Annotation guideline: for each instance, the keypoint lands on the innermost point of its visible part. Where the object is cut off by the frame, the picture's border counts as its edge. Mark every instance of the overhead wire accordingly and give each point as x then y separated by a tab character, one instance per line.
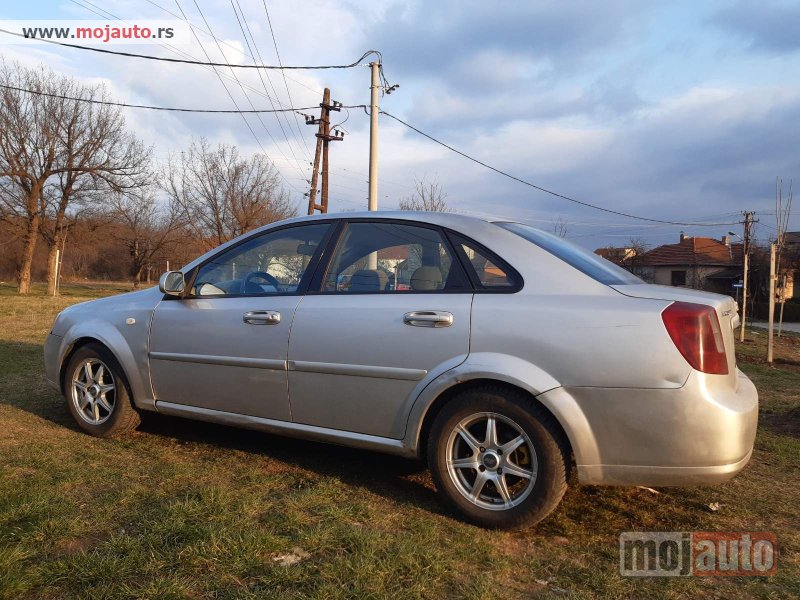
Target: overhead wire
260	76
237	49
283	72
230	95
208	63
150	107
543	189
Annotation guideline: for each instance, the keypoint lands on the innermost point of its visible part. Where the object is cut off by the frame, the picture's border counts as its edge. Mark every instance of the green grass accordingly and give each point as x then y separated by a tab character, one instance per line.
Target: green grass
192	510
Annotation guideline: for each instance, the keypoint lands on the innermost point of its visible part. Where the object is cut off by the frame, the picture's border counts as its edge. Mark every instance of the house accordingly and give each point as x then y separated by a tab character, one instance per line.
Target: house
619	256
695	262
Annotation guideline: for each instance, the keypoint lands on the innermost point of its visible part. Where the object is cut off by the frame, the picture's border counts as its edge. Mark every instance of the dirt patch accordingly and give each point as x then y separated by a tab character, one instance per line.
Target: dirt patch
787	423
79	545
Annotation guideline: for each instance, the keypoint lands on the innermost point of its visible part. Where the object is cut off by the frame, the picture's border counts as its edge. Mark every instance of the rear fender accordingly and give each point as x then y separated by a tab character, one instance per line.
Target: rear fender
516	372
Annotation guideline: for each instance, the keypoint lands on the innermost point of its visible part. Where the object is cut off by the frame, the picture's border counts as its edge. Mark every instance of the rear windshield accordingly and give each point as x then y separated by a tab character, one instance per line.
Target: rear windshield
587	262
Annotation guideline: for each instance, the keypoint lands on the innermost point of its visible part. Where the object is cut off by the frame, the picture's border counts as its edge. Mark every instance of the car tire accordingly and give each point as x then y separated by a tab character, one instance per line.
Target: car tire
505	497
98	396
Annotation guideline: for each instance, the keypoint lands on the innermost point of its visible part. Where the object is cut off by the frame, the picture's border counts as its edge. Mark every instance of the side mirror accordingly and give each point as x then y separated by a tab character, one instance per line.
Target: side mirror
172	283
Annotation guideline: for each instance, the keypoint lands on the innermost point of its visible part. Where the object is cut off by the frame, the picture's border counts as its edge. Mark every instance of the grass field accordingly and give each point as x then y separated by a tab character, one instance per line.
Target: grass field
190	510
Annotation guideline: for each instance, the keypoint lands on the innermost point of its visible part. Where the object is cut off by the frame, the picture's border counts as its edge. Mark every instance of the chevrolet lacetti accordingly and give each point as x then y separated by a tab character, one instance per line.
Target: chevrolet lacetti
503	355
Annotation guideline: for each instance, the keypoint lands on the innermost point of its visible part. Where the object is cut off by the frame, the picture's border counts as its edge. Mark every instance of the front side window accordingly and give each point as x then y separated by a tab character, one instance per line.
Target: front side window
271	263
389	257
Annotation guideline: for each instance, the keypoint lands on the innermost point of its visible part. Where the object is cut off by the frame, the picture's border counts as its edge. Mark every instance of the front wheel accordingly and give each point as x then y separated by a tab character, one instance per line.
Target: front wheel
97	393
498	458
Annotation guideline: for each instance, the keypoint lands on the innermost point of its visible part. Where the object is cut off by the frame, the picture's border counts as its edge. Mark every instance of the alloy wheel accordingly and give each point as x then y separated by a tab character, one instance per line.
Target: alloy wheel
93	391
491	461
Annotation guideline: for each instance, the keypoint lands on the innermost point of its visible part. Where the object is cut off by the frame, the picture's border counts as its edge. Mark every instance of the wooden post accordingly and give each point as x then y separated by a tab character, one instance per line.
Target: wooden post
771	301
57	272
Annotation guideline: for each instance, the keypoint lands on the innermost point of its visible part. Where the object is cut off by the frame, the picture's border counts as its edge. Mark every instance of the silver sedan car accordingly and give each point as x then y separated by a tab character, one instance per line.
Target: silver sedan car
504	356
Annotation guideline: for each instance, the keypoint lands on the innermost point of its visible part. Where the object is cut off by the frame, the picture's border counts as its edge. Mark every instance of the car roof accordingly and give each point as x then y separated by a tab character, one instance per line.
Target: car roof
436	218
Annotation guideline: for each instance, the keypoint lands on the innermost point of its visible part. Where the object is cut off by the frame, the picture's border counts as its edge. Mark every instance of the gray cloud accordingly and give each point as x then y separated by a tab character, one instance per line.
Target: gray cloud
768	26
446	39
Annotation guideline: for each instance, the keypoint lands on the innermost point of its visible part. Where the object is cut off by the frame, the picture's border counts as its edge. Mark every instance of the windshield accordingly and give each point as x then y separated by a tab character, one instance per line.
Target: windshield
591	264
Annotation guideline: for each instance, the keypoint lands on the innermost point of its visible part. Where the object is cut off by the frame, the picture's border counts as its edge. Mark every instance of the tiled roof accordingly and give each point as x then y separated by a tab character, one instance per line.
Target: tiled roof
693	251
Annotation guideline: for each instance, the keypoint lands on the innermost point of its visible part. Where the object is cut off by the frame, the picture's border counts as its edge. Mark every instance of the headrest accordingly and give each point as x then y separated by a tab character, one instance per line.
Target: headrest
426	278
368	280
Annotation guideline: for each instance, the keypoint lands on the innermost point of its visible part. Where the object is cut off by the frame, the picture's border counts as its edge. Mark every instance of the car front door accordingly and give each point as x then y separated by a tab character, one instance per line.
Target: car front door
223	346
392	310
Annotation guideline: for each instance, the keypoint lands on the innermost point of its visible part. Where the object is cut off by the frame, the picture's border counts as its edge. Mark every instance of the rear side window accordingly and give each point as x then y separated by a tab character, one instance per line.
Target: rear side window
587	262
488	271
392	258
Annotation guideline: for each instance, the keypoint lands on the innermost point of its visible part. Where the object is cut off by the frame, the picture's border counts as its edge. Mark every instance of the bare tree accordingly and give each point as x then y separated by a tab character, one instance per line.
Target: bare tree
57	147
560	226
97	156
148	227
224	195
28	151
428	196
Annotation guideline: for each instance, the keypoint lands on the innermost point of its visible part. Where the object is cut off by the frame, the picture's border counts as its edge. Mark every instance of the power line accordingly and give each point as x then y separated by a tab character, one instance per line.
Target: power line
175	50
238	82
194	62
163	108
229	45
242	24
545	190
283	73
230	95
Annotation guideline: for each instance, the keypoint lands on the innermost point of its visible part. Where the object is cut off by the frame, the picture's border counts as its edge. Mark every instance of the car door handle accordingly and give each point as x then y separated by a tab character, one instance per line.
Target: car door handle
428	318
262	317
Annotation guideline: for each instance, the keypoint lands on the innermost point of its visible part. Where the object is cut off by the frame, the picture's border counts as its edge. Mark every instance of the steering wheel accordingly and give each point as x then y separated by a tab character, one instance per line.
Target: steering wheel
246	285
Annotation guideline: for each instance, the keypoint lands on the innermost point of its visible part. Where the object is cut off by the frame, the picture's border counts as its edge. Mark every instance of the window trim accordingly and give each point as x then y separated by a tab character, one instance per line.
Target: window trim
320	276
305	280
456	238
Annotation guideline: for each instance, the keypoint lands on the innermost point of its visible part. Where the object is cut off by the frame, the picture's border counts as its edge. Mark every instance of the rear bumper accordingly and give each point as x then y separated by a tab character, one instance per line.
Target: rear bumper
659	476
699	434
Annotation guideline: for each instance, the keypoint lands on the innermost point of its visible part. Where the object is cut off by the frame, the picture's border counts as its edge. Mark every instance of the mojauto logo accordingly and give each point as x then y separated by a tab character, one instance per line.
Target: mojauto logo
699	554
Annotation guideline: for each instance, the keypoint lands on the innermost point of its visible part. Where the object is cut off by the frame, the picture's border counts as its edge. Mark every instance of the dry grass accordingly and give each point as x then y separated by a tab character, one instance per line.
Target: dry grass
190	510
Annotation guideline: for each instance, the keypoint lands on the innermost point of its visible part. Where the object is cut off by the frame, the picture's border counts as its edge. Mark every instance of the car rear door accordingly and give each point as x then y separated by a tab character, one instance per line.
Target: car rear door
391	311
223	347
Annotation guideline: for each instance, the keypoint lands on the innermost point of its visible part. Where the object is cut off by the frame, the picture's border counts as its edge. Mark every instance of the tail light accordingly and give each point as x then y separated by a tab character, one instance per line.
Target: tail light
695	330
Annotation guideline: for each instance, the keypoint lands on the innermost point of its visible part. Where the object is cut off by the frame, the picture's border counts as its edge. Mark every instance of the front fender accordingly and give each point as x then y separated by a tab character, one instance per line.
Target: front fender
516	372
130	350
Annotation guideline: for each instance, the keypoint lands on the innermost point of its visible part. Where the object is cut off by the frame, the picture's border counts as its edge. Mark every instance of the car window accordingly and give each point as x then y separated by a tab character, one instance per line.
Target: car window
490	274
587	262
271	263
389	257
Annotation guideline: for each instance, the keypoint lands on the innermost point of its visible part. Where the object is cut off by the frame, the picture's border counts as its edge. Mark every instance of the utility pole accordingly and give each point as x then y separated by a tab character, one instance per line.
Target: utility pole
772	277
323	138
748	225
373	136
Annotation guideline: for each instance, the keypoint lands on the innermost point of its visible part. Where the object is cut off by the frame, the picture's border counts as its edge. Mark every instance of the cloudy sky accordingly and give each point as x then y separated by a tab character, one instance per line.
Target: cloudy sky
680	111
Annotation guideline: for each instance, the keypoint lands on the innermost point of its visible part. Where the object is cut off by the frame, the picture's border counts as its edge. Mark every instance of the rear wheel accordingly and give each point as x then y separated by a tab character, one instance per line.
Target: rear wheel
498	458
97	393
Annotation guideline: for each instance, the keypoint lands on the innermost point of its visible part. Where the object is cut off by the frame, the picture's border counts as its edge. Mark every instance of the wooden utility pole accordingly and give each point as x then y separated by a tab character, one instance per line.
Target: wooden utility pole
323	138
748	225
